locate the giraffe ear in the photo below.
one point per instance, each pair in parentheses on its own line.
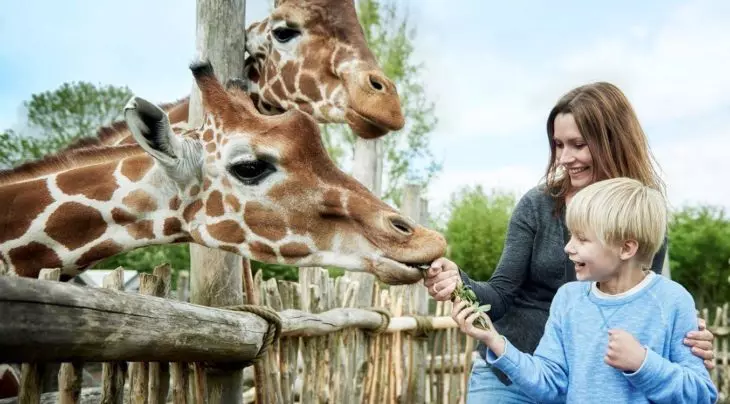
(150,127)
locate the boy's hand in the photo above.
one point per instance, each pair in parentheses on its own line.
(624,352)
(464,314)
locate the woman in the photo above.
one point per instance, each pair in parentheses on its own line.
(593,134)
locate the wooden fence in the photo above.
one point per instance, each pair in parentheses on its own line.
(343,340)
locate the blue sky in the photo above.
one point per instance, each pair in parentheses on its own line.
(493,69)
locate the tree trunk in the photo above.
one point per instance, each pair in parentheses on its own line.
(216,275)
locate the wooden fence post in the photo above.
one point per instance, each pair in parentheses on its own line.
(216,275)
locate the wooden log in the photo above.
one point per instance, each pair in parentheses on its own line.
(93,324)
(113,373)
(217,275)
(69,382)
(139,371)
(159,372)
(89,395)
(30,373)
(289,346)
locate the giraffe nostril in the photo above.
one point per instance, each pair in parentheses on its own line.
(401,225)
(376,84)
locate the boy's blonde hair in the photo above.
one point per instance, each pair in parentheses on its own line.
(620,209)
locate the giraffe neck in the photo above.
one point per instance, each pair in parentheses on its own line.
(78,216)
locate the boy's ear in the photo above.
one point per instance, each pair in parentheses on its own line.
(628,249)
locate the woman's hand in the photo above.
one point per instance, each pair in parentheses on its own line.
(701,343)
(441,279)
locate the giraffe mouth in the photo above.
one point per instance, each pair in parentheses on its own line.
(363,126)
(394,272)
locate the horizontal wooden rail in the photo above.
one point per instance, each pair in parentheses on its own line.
(46,321)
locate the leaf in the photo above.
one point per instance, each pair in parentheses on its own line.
(485,308)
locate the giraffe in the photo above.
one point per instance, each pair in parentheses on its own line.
(261,186)
(308,55)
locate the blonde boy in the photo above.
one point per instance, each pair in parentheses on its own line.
(616,334)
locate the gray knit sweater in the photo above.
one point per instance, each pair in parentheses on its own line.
(532,267)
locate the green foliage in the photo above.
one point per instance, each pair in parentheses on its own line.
(147,258)
(389,37)
(699,249)
(477,228)
(59,117)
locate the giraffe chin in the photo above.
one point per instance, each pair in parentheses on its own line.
(364,127)
(393,272)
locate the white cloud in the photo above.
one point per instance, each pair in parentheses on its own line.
(696,169)
(676,69)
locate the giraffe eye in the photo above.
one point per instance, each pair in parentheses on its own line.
(285,34)
(252,172)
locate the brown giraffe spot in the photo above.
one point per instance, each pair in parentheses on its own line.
(308,108)
(75,225)
(207,135)
(308,86)
(278,88)
(294,249)
(140,201)
(209,159)
(206,184)
(339,57)
(261,250)
(194,190)
(135,168)
(214,206)
(122,217)
(332,205)
(183,239)
(268,94)
(230,249)
(227,231)
(289,75)
(175,203)
(270,72)
(19,204)
(218,155)
(94,182)
(233,203)
(226,182)
(29,259)
(105,249)
(192,209)
(172,226)
(264,221)
(140,230)
(224,142)
(210,147)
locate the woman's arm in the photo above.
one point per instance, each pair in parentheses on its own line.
(511,271)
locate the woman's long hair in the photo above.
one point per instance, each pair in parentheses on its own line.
(611,129)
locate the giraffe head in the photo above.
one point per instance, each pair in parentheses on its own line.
(264,187)
(312,56)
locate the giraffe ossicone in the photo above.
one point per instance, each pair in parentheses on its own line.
(258,185)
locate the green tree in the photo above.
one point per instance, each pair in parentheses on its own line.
(407,157)
(59,117)
(699,249)
(476,229)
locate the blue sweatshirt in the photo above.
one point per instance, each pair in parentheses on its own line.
(568,363)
